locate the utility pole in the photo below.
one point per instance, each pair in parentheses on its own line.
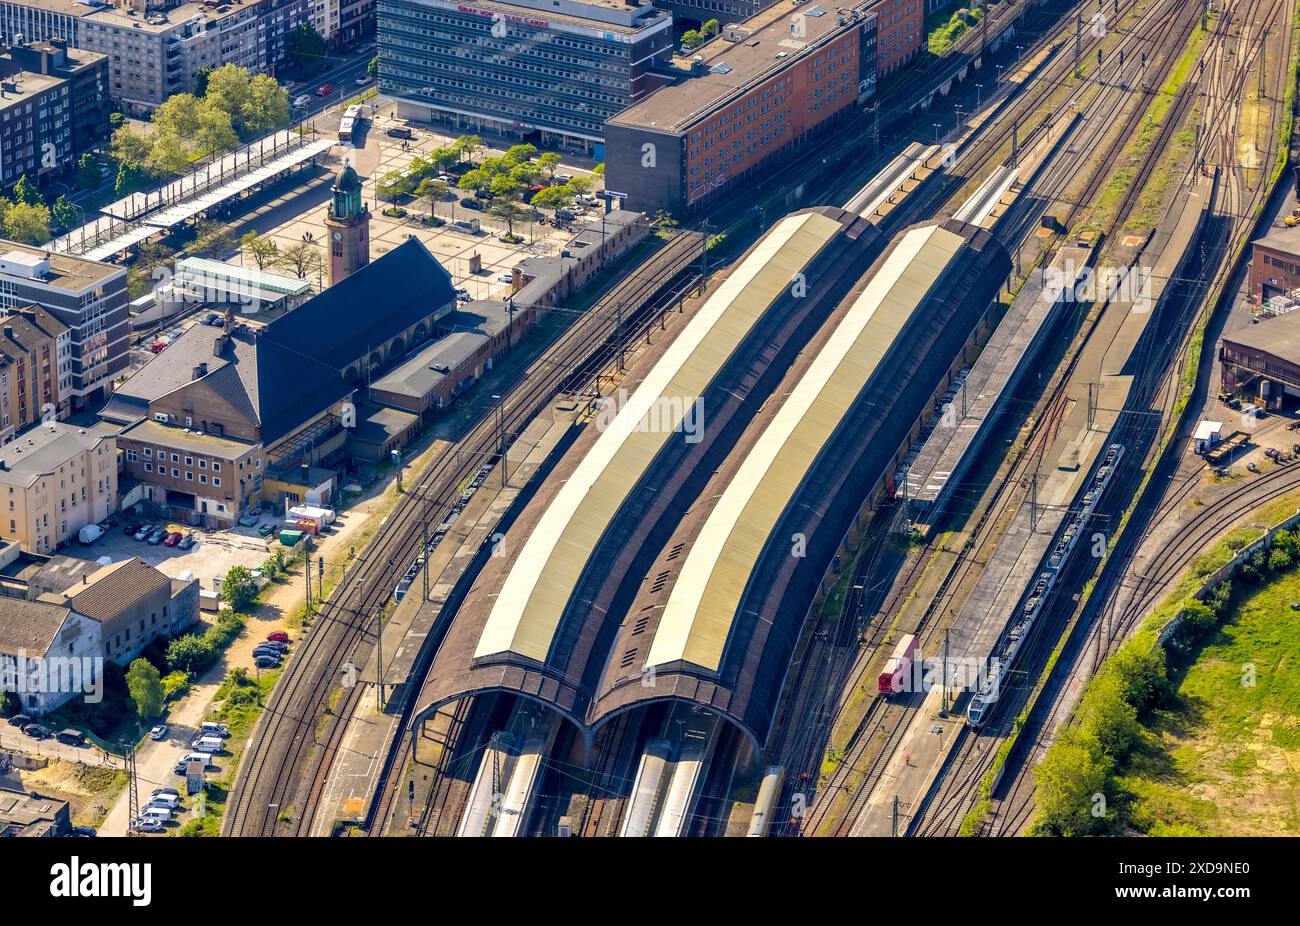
(618,334)
(306,573)
(379,654)
(501,437)
(945,670)
(1033,502)
(893,818)
(704,250)
(1078,43)
(1015,144)
(425,568)
(133,787)
(1092,404)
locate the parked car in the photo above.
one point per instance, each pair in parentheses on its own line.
(278,636)
(144,531)
(147,826)
(213,318)
(72,737)
(265,652)
(207,742)
(165,792)
(212,728)
(158,732)
(172,539)
(170,801)
(363,80)
(267,529)
(187,541)
(469,202)
(325,90)
(505,277)
(157,537)
(248,520)
(267,662)
(131,528)
(20,721)
(37,732)
(399,132)
(565,215)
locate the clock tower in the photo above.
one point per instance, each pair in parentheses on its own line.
(348,224)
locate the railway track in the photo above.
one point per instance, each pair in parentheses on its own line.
(1108,621)
(889,719)
(268,798)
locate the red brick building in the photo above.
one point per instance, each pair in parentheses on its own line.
(1275,264)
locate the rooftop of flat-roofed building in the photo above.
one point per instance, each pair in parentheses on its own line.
(756,48)
(606,15)
(24,262)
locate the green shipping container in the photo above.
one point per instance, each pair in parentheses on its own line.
(290,538)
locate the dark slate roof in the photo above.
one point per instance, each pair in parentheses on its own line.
(112,589)
(367,309)
(29,625)
(273,386)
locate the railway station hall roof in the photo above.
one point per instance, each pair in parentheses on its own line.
(536,591)
(704,602)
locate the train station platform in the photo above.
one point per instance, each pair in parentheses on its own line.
(371,731)
(1010,354)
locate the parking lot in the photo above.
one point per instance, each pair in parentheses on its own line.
(208,560)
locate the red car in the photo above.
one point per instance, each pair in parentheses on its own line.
(277,636)
(173,538)
(325,90)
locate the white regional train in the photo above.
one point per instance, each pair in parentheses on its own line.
(1008,649)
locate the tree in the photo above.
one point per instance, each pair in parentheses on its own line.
(508,211)
(26,192)
(264,251)
(238,588)
(1108,718)
(393,186)
(710,28)
(521,154)
(434,191)
(553,197)
(598,170)
(474,181)
(88,176)
(691,38)
(1069,779)
(302,257)
(1143,670)
(504,185)
(547,164)
(144,684)
(130,177)
(580,185)
(306,45)
(467,146)
(201,80)
(64,213)
(27,223)
(373,67)
(189,653)
(212,239)
(116,120)
(129,145)
(443,158)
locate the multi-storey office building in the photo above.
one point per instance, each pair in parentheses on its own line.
(156,50)
(748,99)
(78,120)
(87,296)
(551,71)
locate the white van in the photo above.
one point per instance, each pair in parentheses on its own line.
(170,801)
(156,814)
(215,729)
(90,533)
(209,744)
(204,757)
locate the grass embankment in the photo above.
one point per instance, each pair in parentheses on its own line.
(241,700)
(1135,152)
(1201,735)
(944,29)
